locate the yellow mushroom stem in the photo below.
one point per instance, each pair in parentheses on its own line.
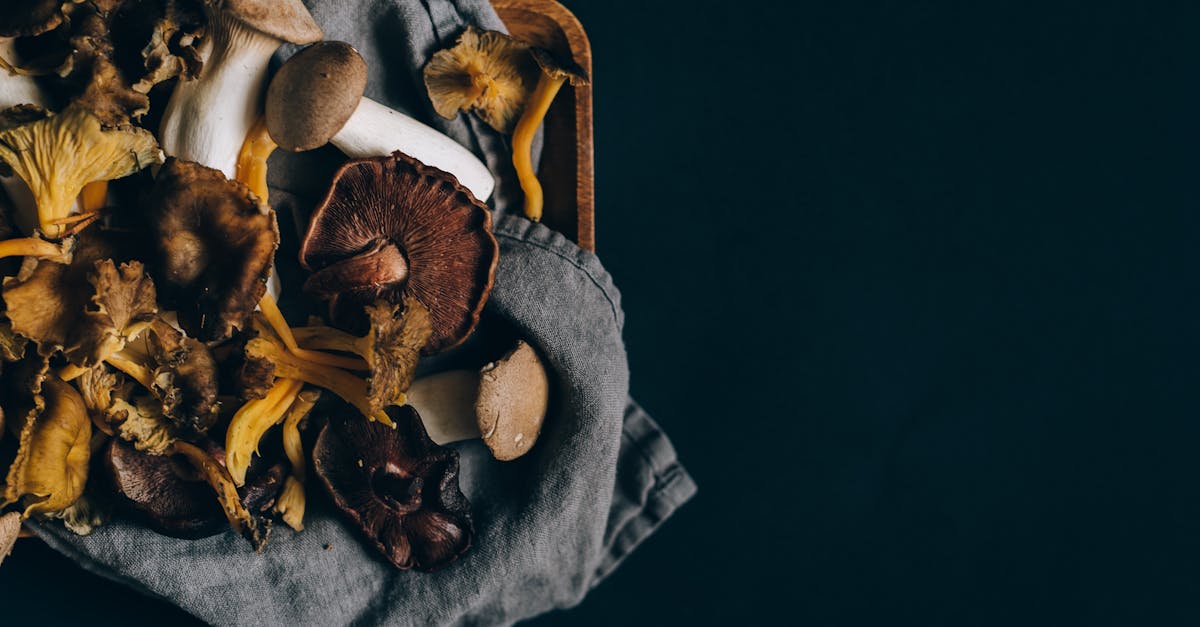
(522,141)
(137,371)
(350,388)
(252,159)
(218,478)
(94,196)
(32,247)
(270,311)
(291,503)
(252,421)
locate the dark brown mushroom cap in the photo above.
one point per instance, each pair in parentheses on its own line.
(216,247)
(167,493)
(313,95)
(391,226)
(397,486)
(555,68)
(185,378)
(288,20)
(23,18)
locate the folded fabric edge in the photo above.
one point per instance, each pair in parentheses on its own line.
(87,563)
(673,487)
(532,233)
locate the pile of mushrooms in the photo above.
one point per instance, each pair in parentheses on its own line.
(146,369)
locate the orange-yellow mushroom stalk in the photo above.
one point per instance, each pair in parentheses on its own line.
(554,75)
(278,323)
(252,159)
(252,421)
(32,247)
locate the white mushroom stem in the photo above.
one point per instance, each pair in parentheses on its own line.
(207,119)
(375,130)
(18,89)
(446,404)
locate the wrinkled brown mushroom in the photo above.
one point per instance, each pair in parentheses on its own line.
(216,246)
(89,308)
(397,487)
(486,72)
(390,348)
(392,226)
(51,467)
(174,499)
(504,403)
(157,40)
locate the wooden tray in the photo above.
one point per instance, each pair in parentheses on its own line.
(566,169)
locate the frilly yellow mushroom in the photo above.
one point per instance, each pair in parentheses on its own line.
(51,467)
(57,155)
(390,348)
(252,421)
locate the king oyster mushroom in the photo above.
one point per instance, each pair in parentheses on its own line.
(504,403)
(397,487)
(316,98)
(391,226)
(208,119)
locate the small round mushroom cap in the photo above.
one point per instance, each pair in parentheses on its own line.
(288,20)
(513,396)
(567,71)
(391,226)
(314,94)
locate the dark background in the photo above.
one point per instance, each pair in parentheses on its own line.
(912,287)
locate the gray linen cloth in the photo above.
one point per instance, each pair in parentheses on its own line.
(549,526)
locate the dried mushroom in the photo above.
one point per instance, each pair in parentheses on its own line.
(392,226)
(216,247)
(51,467)
(91,77)
(390,348)
(57,155)
(486,72)
(353,390)
(158,40)
(554,75)
(89,308)
(174,499)
(398,488)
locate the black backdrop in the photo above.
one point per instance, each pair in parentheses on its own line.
(911,286)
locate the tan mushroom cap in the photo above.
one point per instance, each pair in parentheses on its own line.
(314,94)
(288,20)
(10,530)
(552,67)
(514,394)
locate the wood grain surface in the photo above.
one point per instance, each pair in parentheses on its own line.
(566,169)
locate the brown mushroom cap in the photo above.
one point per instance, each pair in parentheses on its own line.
(168,494)
(313,95)
(288,20)
(216,246)
(485,71)
(514,394)
(568,71)
(397,486)
(24,18)
(391,226)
